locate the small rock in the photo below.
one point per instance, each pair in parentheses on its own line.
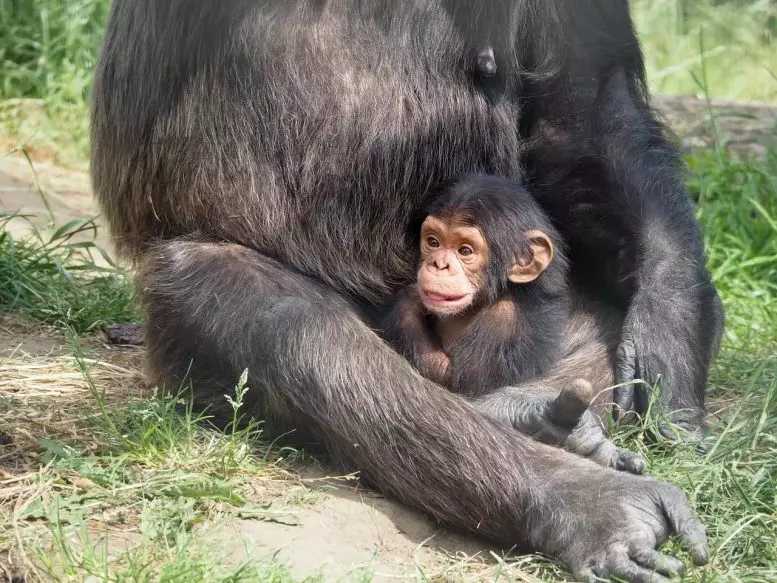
(127,334)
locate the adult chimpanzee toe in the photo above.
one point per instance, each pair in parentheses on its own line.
(564,421)
(631,462)
(690,433)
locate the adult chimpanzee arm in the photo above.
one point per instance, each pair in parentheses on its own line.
(593,95)
(314,365)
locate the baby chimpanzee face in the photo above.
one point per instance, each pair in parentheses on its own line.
(452,270)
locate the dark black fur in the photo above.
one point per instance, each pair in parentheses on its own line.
(498,350)
(641,250)
(260,160)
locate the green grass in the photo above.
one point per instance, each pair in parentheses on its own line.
(54,278)
(737,207)
(734,37)
(152,465)
(129,488)
(48,50)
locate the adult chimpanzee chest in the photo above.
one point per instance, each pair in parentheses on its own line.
(320,142)
(412,114)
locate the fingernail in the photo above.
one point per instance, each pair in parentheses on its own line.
(700,555)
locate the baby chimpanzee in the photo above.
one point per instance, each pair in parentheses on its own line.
(491,302)
(490,309)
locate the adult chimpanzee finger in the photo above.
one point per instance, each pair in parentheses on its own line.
(568,407)
(673,433)
(586,575)
(652,559)
(624,568)
(625,373)
(689,530)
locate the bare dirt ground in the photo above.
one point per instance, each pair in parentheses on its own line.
(743,128)
(36,365)
(342,527)
(345,530)
(23,188)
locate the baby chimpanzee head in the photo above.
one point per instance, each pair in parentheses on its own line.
(482,236)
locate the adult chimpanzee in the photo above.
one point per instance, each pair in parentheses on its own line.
(491,308)
(260,160)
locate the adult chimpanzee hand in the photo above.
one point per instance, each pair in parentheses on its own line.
(565,421)
(655,348)
(620,527)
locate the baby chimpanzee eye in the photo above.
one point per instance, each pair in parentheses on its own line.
(465,251)
(432,242)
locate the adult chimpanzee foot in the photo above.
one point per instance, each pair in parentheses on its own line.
(646,513)
(673,427)
(658,351)
(562,420)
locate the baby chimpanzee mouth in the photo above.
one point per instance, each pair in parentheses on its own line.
(435,301)
(435,297)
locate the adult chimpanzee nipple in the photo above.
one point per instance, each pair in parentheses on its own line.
(486,63)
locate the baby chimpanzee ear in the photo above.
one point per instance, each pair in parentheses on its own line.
(526,270)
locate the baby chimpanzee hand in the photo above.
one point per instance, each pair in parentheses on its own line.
(565,421)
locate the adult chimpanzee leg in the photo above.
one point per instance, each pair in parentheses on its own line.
(214,309)
(675,320)
(640,245)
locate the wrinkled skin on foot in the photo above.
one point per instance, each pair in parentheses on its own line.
(565,421)
(623,523)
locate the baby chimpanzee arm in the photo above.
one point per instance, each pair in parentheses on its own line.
(406,328)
